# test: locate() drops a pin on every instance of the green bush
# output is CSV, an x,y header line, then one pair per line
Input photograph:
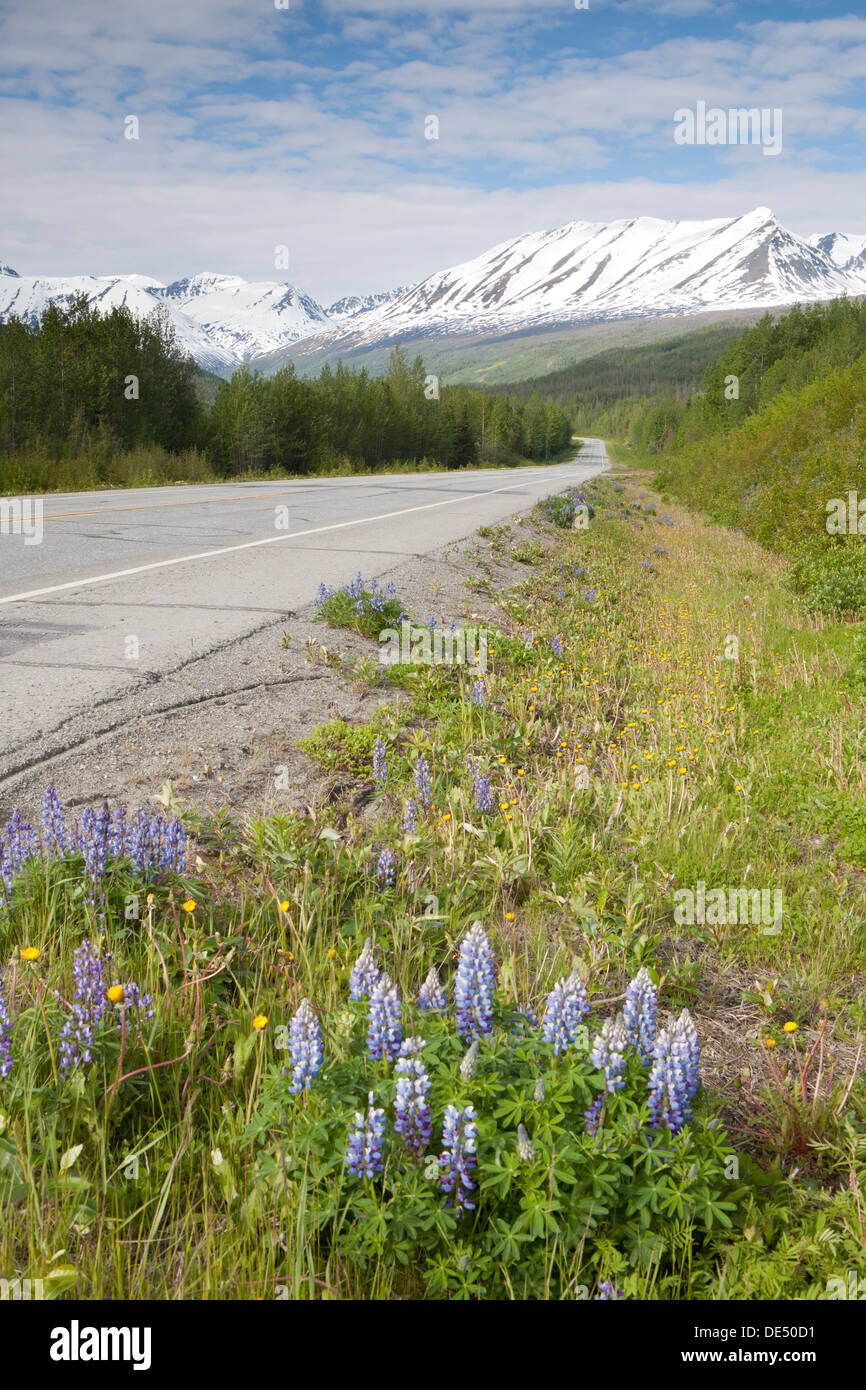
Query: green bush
x,y
831,575
342,747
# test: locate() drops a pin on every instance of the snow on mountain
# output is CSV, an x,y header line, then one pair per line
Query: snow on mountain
x,y
583,272
354,304
843,250
246,319
588,271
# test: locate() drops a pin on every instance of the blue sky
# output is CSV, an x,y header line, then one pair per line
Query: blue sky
x,y
305,127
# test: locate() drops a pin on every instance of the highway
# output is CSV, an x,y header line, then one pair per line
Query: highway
x,y
126,586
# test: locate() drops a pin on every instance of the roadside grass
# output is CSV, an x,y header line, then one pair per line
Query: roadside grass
x,y
632,749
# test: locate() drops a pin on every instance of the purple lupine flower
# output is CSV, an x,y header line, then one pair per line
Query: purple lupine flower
x,y
385,1030
473,990
412,1119
386,868
478,693
482,790
89,1004
365,973
567,1005
134,1000
607,1289
305,1045
556,646
608,1056
55,836
640,1014
380,763
410,817
674,1078
422,782
366,1138
457,1159
588,595
6,1060
431,995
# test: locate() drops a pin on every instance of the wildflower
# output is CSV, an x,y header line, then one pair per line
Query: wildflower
x,y
386,868
470,1061
540,1090
260,1022
478,693
366,1138
29,953
556,646
88,1006
431,995
385,1031
607,1289
608,1056
54,833
473,990
115,994
789,1027
674,1079
332,954
567,1005
305,1046
422,781
284,906
365,973
6,1060
481,788
190,905
641,1013
525,1146
457,1159
412,1119
380,763
410,817
588,595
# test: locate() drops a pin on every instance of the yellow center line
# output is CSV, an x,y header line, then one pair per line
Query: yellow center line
x,y
152,506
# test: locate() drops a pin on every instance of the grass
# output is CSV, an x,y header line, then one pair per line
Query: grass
x,y
652,755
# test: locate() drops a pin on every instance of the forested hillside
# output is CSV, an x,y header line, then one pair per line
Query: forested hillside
x,y
91,400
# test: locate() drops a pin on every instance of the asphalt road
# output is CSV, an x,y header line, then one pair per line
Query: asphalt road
x,y
125,586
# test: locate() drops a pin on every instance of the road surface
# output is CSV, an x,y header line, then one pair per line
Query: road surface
x,y
127,586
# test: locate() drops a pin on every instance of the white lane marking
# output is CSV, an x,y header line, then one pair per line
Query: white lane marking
x,y
250,545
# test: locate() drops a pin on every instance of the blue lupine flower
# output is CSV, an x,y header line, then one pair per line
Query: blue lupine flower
x,y
457,1159
380,763
567,1006
607,1289
6,1061
674,1078
481,788
473,989
580,571
431,995
366,1139
588,595
305,1046
385,1030
54,833
478,693
608,1056
365,973
89,1004
640,1014
412,1119
410,817
386,868
422,781
556,646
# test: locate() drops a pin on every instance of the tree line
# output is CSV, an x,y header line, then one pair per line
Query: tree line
x,y
81,388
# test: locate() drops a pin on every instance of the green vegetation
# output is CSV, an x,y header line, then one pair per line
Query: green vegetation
x,y
620,748
89,401
341,747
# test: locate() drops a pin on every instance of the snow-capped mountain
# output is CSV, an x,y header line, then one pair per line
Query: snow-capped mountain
x,y
243,318
588,271
354,304
581,273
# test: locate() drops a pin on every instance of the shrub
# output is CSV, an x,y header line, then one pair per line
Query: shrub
x,y
341,747
831,575
365,607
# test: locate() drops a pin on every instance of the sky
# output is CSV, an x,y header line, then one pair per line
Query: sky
x,y
307,127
